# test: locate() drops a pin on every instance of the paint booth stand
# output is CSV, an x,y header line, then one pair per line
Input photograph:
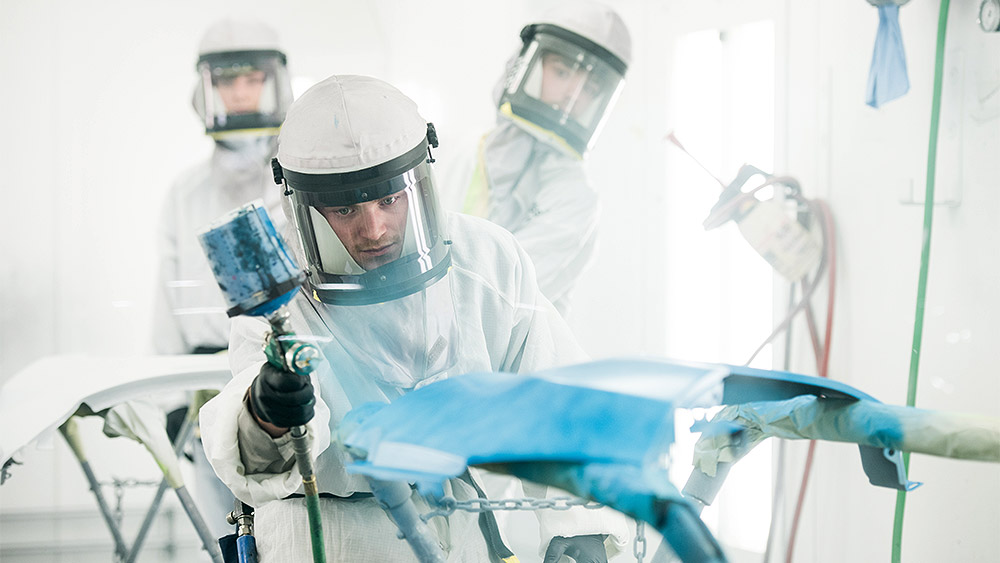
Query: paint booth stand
x,y
52,394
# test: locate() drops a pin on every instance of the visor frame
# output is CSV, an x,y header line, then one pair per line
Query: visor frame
x,y
220,58
350,188
529,32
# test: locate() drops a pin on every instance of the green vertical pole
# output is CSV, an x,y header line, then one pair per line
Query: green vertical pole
x,y
925,254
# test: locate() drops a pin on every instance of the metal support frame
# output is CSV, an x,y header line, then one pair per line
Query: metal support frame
x,y
122,551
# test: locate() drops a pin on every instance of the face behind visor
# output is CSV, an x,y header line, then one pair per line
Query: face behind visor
x,y
371,235
242,92
562,87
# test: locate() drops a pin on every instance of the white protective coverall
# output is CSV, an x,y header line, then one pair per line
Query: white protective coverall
x,y
504,324
191,311
528,180
542,196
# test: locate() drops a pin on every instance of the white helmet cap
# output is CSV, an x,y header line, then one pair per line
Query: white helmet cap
x,y
596,22
348,123
233,34
353,155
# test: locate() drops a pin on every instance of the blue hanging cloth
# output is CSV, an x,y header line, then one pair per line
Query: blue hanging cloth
x,y
887,79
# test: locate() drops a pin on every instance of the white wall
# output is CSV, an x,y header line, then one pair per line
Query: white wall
x,y
95,97
860,159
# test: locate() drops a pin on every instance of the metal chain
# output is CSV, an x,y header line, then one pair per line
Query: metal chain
x,y
120,485
131,482
448,505
639,545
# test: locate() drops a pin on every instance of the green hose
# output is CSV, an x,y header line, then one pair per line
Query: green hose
x,y
289,354
315,522
925,254
303,458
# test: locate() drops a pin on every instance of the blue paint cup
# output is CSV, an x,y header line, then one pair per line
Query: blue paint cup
x,y
250,262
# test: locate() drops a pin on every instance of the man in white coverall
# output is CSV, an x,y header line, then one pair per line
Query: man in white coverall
x,y
241,99
528,175
398,295
242,94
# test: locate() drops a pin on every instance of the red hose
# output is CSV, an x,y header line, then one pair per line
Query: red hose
x,y
822,354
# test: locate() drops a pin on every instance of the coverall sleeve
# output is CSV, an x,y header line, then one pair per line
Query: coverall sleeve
x,y
255,467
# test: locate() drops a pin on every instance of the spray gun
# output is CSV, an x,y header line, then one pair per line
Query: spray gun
x,y
258,278
784,241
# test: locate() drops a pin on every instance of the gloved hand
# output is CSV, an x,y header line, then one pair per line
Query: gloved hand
x,y
583,549
282,398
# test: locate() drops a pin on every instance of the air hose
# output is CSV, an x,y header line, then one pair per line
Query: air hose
x,y
925,254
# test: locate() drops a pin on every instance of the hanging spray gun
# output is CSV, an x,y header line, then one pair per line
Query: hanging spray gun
x,y
783,240
258,278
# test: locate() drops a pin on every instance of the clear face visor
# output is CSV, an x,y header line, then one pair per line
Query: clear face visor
x,y
243,92
388,245
562,88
